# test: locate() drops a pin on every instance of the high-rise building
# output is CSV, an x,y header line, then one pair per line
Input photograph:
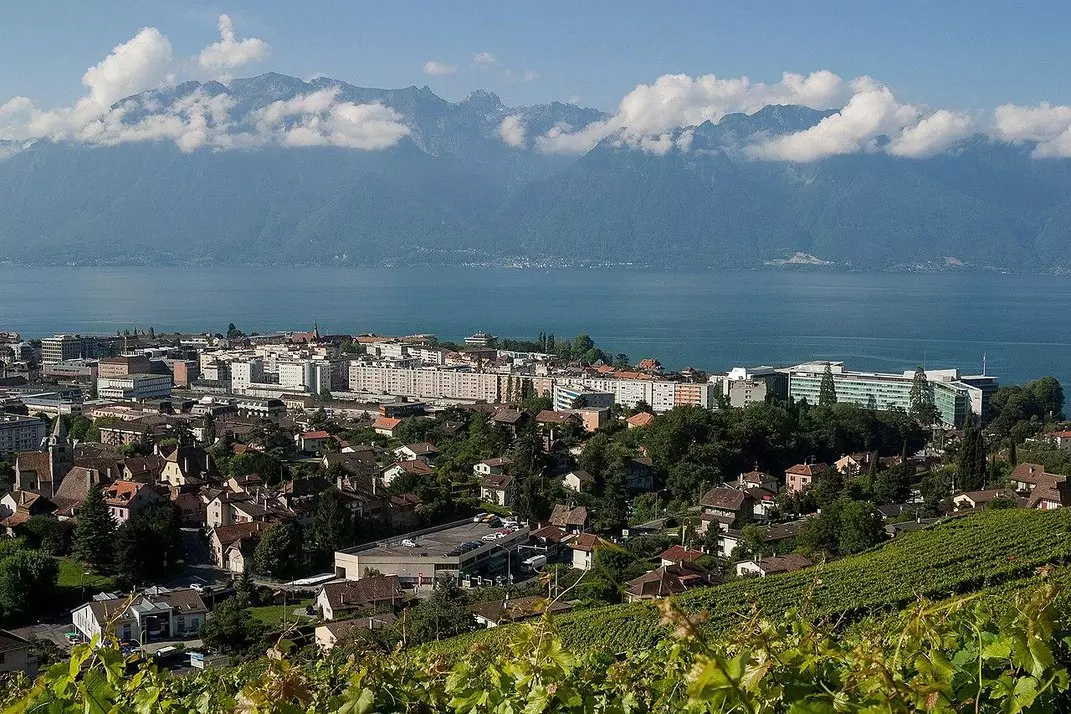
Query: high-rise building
x,y
20,433
61,348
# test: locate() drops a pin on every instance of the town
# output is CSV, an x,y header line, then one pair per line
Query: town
x,y
194,495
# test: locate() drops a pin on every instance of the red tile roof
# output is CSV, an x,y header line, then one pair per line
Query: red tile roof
x,y
807,469
315,435
679,553
388,423
641,419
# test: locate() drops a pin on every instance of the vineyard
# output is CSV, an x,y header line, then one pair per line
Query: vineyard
x,y
963,555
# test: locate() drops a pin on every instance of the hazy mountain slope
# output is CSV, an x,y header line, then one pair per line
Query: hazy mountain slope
x,y
452,191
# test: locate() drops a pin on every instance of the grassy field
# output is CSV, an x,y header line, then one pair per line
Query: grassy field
x,y
71,576
273,614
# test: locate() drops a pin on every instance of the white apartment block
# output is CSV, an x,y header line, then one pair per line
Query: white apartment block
x,y
20,433
134,387
244,373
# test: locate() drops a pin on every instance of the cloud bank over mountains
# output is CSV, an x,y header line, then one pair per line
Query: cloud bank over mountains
x,y
655,118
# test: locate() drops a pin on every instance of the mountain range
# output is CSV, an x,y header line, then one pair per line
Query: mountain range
x,y
451,190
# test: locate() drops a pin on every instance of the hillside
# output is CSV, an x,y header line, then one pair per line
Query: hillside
x,y
447,187
997,650
960,556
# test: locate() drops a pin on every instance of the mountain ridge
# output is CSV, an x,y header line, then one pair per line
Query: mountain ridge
x,y
452,190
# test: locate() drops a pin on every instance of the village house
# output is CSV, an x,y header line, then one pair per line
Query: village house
x,y
232,546
381,591
16,655
801,476
1039,489
584,547
386,426
495,489
493,614
331,633
415,467
639,420
725,508
492,467
422,451
579,480
569,519
125,499
667,580
677,554
980,499
313,441
189,466
156,614
772,565
229,508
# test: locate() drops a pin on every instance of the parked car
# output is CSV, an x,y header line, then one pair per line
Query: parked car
x,y
492,536
479,517
408,544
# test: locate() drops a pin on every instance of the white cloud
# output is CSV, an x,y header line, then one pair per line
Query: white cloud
x,y
230,52
530,75
483,59
933,134
512,130
432,68
140,63
318,119
873,113
1048,125
678,100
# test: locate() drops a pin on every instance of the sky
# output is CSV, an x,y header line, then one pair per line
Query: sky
x,y
910,77
953,54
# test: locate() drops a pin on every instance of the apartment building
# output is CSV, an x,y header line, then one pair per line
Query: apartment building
x,y
134,387
61,348
20,433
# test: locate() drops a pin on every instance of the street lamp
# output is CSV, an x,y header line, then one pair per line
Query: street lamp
x,y
83,583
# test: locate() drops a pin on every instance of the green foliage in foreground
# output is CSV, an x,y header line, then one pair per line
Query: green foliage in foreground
x,y
966,654
963,555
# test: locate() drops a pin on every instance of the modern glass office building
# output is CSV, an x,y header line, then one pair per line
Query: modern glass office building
x,y
956,397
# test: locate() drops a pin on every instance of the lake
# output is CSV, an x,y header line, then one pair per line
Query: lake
x,y
711,320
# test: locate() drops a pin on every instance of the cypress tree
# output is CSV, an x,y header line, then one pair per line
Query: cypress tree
x,y
827,391
94,535
922,406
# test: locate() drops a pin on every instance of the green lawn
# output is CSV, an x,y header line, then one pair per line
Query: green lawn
x,y
70,576
273,614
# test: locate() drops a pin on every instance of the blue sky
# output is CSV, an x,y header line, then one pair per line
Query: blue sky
x,y
957,55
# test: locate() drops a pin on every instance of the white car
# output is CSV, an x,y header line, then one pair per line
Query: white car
x,y
478,517
491,536
408,544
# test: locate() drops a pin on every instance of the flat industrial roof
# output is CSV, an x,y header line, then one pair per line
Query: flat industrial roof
x,y
435,544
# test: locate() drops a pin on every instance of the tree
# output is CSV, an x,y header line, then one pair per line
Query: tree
x,y
28,581
148,543
971,463
923,408
1050,395
48,534
229,628
276,553
827,390
332,524
859,527
94,536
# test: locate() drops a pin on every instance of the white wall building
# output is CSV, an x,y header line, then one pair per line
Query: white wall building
x,y
134,387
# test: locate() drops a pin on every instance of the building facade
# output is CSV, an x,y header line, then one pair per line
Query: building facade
x,y
61,348
134,387
20,433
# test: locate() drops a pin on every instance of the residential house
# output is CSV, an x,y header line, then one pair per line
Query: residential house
x,y
336,599
772,565
550,539
415,467
668,580
314,441
1040,489
726,508
330,633
232,545
15,655
678,554
854,464
422,451
75,488
639,420
495,489
756,479
981,499
801,476
229,508
493,614
1062,439
125,499
143,468
386,426
189,465
156,614
492,467
570,519
17,507
579,480
584,547
512,419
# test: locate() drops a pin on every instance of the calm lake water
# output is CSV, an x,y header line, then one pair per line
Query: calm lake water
x,y
712,320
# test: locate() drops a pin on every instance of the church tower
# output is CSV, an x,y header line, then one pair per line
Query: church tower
x,y
60,453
